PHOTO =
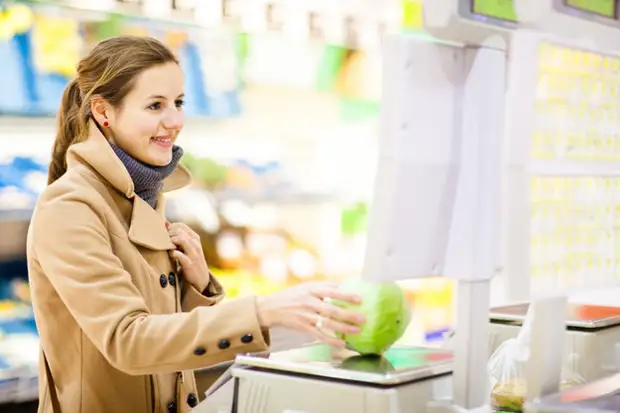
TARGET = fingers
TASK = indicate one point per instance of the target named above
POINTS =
(179, 228)
(182, 236)
(327, 339)
(183, 259)
(331, 311)
(320, 332)
(329, 292)
(328, 325)
(339, 327)
(187, 245)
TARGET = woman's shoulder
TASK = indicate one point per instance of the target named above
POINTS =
(75, 187)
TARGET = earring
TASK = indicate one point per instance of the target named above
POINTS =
(105, 124)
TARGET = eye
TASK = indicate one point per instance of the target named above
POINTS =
(179, 103)
(154, 106)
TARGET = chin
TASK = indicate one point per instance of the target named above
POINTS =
(160, 158)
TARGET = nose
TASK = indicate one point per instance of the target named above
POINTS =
(173, 119)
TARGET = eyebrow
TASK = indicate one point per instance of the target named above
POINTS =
(182, 95)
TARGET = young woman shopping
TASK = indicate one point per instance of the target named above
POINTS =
(124, 302)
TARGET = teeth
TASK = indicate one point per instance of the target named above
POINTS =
(162, 139)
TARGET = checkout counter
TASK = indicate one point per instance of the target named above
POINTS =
(450, 226)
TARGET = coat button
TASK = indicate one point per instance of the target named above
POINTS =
(192, 401)
(172, 407)
(172, 279)
(200, 351)
(163, 281)
(224, 344)
(247, 339)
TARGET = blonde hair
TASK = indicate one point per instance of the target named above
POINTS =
(109, 71)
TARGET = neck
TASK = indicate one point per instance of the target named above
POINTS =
(148, 179)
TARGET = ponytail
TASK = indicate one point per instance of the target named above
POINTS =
(69, 129)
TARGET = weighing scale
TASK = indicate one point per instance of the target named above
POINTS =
(435, 212)
(561, 228)
(320, 378)
(592, 333)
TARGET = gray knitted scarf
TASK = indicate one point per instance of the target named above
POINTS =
(147, 179)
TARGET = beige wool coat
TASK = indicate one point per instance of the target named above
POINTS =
(121, 332)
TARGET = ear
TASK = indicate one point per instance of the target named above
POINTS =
(101, 110)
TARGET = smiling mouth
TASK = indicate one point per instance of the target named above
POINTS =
(162, 140)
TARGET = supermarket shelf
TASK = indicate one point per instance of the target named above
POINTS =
(131, 10)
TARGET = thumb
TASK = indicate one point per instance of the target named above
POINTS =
(183, 259)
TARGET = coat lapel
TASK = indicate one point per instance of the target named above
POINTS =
(147, 227)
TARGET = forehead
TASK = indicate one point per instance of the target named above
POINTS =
(161, 80)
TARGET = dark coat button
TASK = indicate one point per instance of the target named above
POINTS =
(192, 401)
(163, 281)
(223, 344)
(172, 407)
(200, 351)
(247, 339)
(172, 279)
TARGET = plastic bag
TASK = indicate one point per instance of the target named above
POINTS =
(507, 366)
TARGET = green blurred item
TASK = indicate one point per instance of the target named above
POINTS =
(206, 171)
(353, 219)
(355, 110)
(110, 27)
(329, 67)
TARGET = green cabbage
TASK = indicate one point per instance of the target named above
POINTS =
(387, 313)
(368, 364)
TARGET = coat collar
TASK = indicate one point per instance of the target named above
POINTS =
(147, 227)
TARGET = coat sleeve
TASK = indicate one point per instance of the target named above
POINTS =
(212, 294)
(77, 257)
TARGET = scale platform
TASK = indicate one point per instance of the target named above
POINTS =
(578, 316)
(398, 365)
(601, 396)
(592, 335)
(321, 379)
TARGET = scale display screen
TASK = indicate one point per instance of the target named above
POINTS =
(496, 9)
(607, 8)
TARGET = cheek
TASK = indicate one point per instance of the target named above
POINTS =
(139, 127)
(133, 132)
(145, 126)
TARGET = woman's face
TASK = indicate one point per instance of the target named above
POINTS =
(151, 116)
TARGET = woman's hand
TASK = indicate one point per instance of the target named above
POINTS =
(308, 308)
(190, 255)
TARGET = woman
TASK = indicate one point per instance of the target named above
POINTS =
(124, 302)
